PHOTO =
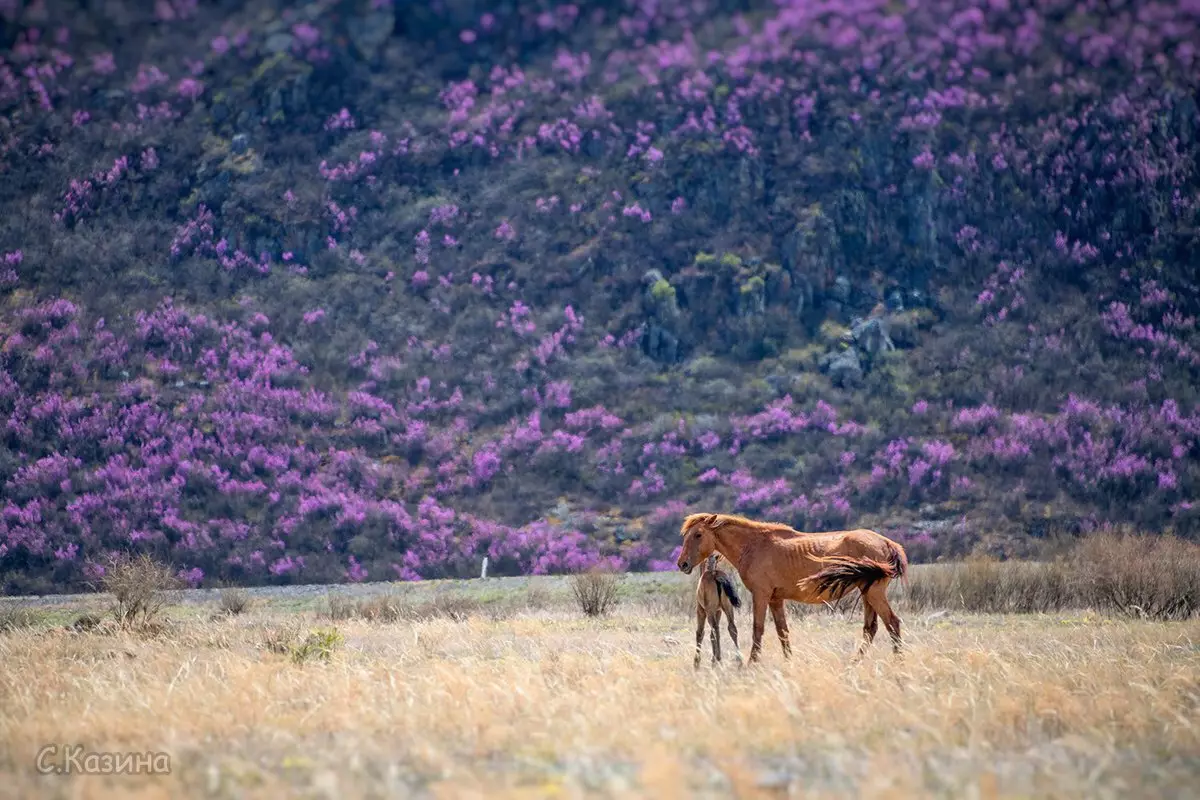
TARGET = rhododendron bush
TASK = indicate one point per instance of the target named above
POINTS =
(361, 290)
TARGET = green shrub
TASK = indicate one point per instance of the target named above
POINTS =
(320, 644)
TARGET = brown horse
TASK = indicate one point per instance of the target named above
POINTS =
(715, 593)
(778, 563)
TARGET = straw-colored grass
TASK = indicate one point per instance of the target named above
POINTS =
(544, 701)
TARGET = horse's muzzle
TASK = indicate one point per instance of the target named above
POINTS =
(685, 568)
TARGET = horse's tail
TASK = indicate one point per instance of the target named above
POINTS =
(899, 561)
(854, 572)
(725, 584)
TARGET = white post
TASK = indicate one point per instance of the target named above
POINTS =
(483, 572)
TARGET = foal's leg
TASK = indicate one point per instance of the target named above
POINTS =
(781, 626)
(700, 617)
(761, 600)
(714, 623)
(727, 607)
(876, 596)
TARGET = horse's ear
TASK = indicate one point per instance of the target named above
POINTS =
(715, 520)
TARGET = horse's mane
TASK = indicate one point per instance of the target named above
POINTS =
(735, 520)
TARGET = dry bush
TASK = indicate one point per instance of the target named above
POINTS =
(140, 588)
(382, 608)
(448, 606)
(595, 591)
(341, 607)
(987, 585)
(235, 601)
(1156, 577)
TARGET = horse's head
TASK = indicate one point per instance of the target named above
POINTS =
(699, 541)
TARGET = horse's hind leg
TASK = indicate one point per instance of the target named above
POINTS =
(870, 626)
(876, 597)
(700, 617)
(714, 623)
(781, 626)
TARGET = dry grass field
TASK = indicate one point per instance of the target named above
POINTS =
(503, 688)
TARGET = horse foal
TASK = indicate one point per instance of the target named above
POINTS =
(715, 593)
(778, 563)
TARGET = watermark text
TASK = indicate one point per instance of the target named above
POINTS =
(74, 759)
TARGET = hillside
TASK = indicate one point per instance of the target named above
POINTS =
(369, 290)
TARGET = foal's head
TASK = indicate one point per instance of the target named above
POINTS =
(699, 542)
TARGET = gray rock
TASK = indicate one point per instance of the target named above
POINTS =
(872, 336)
(844, 368)
(895, 300)
(240, 143)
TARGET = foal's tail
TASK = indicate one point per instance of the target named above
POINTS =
(855, 572)
(725, 585)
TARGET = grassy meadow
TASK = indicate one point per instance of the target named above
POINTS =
(504, 688)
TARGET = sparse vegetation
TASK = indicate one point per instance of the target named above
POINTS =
(140, 588)
(16, 616)
(1120, 573)
(1059, 704)
(595, 591)
(85, 622)
(397, 607)
(319, 645)
(235, 601)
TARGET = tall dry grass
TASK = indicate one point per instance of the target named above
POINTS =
(1152, 577)
(554, 703)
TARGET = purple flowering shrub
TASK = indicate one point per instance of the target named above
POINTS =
(572, 271)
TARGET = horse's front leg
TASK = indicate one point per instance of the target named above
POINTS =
(761, 601)
(700, 618)
(781, 627)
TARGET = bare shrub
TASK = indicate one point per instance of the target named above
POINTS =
(235, 601)
(383, 608)
(140, 588)
(454, 607)
(1154, 577)
(341, 607)
(987, 585)
(595, 591)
